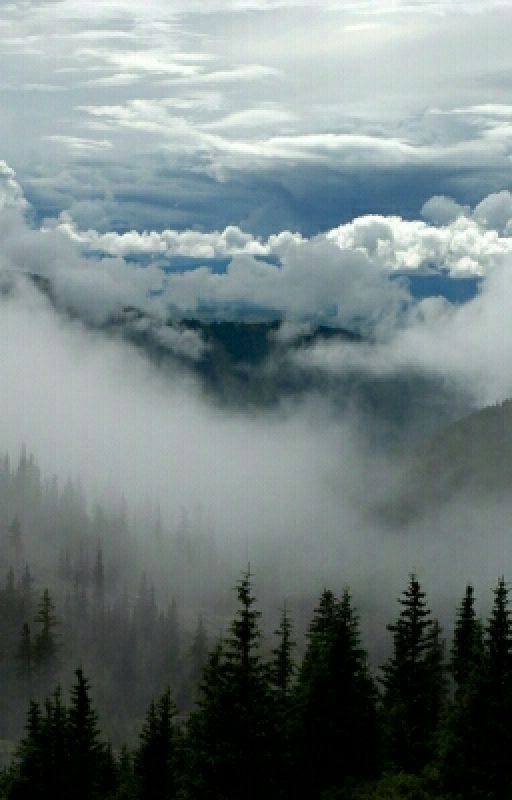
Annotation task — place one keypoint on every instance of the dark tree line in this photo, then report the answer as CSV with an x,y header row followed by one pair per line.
x,y
132,649
433,725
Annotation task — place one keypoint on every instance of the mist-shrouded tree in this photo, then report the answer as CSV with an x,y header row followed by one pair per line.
x,y
42,760
25,660
197,657
467,646
46,645
282,671
155,764
282,666
498,694
27,770
90,761
462,741
336,729
231,735
413,684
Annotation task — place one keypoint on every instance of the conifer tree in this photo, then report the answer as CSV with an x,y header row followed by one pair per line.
x,y
413,684
336,721
89,758
42,759
282,668
462,761
56,749
498,694
29,759
198,656
281,672
46,645
467,647
25,660
155,765
231,734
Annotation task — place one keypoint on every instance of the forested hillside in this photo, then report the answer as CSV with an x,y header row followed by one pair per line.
x,y
433,723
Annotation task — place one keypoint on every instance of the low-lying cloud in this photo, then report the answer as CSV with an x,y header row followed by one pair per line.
x,y
294,488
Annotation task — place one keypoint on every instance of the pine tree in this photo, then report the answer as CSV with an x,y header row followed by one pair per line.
x,y
26,589
282,668
498,694
281,672
56,749
231,735
25,660
462,761
155,766
46,645
29,760
89,758
413,684
198,656
336,722
42,759
467,647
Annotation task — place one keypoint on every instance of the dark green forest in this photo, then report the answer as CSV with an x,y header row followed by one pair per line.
x,y
116,686
430,724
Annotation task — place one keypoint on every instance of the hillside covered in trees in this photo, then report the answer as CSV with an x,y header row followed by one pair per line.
x,y
172,699
431,724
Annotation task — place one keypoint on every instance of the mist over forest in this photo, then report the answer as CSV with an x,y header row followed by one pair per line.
x,y
256,400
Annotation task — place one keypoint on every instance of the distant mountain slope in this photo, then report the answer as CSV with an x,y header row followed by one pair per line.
x,y
472,455
255,363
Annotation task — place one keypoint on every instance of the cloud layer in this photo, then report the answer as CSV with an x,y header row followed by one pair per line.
x,y
206,115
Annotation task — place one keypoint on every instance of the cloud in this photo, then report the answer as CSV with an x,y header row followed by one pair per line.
x,y
464,245
11,193
81,145
441,210
495,211
288,489
341,277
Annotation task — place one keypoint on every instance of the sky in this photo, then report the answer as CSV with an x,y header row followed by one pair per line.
x,y
266,115
344,163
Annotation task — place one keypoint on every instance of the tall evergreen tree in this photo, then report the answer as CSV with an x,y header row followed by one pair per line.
x,y
413,684
155,765
498,695
467,647
281,672
282,667
25,660
336,719
46,644
231,734
29,760
89,759
198,656
462,761
42,759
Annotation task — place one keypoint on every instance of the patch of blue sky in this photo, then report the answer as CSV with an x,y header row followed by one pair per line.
x,y
440,284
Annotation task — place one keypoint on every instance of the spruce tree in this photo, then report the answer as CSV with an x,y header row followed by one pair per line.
x,y
335,699
198,656
467,647
282,667
89,758
413,684
43,755
231,735
155,766
462,760
25,660
29,760
46,644
498,694
281,672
